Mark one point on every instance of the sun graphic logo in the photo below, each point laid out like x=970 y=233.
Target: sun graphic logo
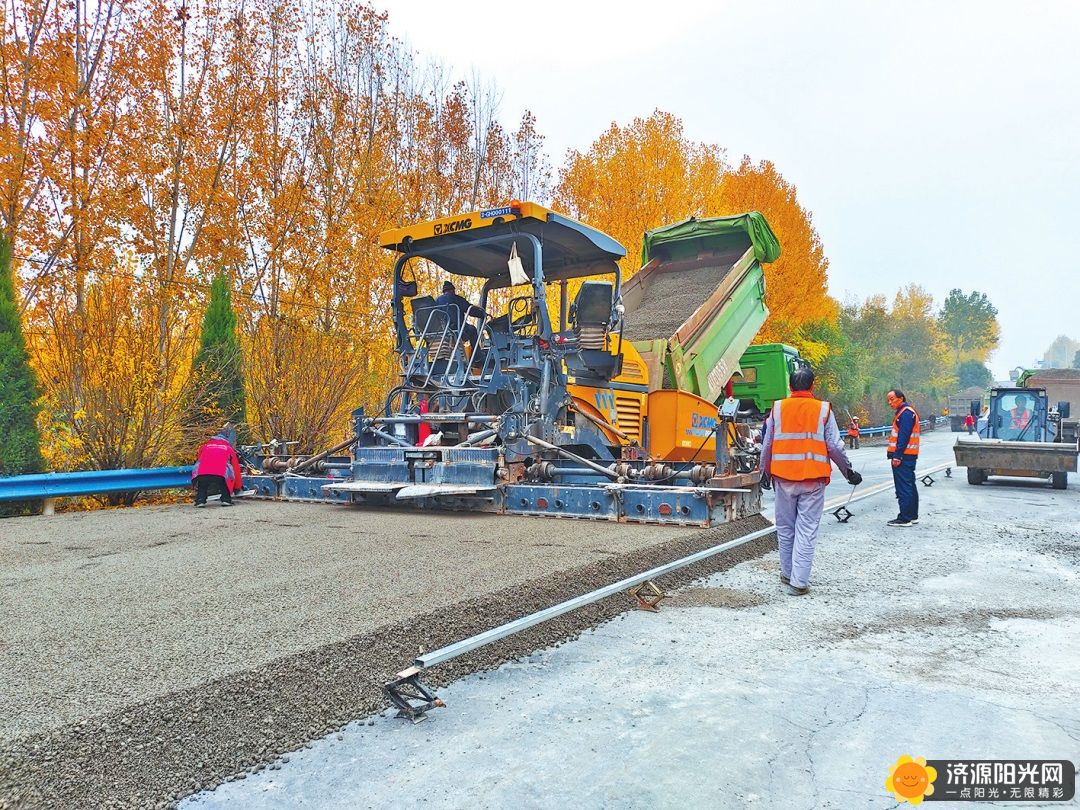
x=910 y=779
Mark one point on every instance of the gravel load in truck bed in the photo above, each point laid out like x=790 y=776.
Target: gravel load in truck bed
x=669 y=298
x=146 y=653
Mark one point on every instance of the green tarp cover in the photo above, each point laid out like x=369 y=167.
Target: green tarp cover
x=713 y=233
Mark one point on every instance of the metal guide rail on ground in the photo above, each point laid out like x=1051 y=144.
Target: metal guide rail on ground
x=413 y=698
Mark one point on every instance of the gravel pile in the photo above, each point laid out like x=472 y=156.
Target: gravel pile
x=151 y=752
x=669 y=299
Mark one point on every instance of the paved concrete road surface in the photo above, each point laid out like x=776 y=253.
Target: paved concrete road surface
x=956 y=638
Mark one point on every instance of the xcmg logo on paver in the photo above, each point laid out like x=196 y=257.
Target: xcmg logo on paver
x=700 y=421
x=701 y=426
x=453 y=227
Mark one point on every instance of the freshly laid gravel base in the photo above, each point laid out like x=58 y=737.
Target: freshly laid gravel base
x=302 y=642
x=106 y=609
x=957 y=637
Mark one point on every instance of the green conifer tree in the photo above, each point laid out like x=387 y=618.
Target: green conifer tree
x=217 y=365
x=20 y=444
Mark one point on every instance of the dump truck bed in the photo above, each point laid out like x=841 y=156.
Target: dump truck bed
x=699 y=300
x=665 y=295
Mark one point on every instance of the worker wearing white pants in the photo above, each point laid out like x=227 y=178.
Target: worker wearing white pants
x=799 y=505
x=801 y=439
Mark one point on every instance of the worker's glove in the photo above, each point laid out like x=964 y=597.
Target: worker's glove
x=854 y=478
x=766 y=481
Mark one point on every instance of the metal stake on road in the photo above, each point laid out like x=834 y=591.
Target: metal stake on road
x=838 y=509
x=843 y=514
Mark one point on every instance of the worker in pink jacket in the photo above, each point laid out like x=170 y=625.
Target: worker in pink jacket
x=217 y=468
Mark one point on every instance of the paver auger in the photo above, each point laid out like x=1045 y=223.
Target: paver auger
x=601 y=407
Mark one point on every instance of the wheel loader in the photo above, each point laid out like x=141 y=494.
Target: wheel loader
x=1021 y=438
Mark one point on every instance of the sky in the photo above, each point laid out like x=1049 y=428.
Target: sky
x=936 y=143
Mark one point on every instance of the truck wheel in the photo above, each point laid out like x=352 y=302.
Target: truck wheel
x=975 y=475
x=1059 y=480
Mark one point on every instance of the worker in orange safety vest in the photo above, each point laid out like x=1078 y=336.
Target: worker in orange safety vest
x=853 y=434
x=801 y=442
x=1021 y=415
x=903 y=453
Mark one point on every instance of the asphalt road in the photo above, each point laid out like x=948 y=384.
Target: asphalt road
x=146 y=653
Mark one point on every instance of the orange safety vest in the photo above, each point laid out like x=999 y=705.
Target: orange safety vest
x=853 y=429
x=799 y=452
x=1020 y=419
x=912 y=448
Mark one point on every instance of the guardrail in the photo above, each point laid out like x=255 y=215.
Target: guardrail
x=884 y=429
x=50 y=486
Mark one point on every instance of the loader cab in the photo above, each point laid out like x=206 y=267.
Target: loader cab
x=1017 y=414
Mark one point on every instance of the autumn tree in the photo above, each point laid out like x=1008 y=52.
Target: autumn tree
x=838 y=361
x=640 y=176
x=922 y=365
x=19 y=450
x=970 y=324
x=882 y=345
x=973 y=374
x=532 y=172
x=147 y=147
x=796 y=285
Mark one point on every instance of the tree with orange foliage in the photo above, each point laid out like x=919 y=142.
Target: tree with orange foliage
x=796 y=285
x=146 y=148
x=648 y=174
x=637 y=177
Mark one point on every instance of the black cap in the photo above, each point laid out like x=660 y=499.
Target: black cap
x=448 y=286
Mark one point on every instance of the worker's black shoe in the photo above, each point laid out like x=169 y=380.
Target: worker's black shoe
x=785 y=580
x=914 y=521
x=226 y=503
x=795 y=590
x=200 y=505
x=898 y=522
